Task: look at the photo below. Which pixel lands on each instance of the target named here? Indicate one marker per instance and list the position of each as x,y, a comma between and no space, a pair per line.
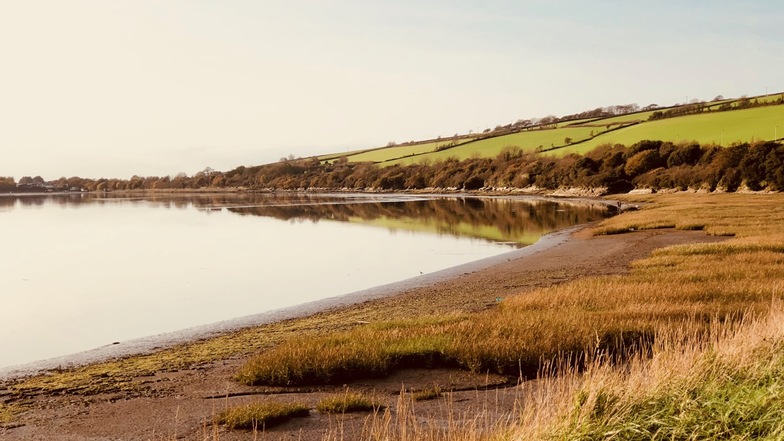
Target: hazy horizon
114,89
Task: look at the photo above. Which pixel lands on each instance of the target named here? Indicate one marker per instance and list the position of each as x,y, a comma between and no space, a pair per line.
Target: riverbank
153,343
172,393
247,281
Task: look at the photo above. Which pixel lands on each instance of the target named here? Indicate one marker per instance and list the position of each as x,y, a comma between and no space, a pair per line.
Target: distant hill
720,122
722,145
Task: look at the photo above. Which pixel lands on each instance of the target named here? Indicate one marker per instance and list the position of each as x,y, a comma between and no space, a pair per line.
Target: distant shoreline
531,190
579,196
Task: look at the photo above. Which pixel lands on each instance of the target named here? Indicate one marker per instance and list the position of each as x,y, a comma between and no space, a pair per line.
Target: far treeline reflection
514,220
495,219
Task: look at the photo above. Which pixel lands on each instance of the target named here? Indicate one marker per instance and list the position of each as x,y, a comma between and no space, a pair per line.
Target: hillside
725,144
721,122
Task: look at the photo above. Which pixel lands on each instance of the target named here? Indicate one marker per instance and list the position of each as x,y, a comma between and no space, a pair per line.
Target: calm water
82,271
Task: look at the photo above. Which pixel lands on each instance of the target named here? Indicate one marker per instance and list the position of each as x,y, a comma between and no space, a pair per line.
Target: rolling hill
720,122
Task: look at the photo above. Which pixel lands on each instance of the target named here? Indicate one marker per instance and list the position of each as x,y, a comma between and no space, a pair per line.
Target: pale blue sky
117,88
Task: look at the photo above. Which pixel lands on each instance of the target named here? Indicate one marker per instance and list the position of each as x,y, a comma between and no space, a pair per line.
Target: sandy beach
181,404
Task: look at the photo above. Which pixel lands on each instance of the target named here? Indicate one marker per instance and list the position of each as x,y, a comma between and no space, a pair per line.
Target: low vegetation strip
752,219
121,375
369,351
261,416
6,413
348,402
605,314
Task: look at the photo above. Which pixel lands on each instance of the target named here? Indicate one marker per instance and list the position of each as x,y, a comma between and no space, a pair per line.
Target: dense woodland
647,164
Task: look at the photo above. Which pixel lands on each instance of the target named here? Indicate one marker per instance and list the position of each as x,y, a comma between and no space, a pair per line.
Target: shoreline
533,192
148,398
161,342
150,344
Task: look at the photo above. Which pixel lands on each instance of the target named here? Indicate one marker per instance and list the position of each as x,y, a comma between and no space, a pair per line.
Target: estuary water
81,271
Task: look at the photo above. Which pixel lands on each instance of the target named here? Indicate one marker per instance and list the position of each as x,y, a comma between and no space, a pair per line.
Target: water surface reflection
84,270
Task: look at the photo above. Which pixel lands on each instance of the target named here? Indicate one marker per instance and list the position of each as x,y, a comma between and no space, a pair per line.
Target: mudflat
182,404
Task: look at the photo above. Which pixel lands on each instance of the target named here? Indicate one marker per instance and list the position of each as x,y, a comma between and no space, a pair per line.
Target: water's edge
154,343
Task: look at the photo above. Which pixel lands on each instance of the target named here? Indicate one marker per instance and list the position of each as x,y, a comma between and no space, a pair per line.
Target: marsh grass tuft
430,393
348,402
366,352
8,413
260,416
482,423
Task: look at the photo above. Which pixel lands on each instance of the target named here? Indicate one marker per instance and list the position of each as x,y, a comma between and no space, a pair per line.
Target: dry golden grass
757,218
694,282
723,380
430,393
726,383
715,366
261,416
7,413
348,402
403,424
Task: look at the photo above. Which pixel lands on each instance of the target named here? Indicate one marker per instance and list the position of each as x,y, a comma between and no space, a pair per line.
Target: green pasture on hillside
490,147
573,122
333,156
723,128
400,151
617,120
768,98
716,127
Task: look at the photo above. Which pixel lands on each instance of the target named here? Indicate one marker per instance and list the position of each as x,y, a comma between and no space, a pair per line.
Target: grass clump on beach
7,413
368,351
610,314
348,402
260,416
430,393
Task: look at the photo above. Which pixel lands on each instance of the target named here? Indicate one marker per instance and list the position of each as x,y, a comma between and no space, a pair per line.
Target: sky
116,88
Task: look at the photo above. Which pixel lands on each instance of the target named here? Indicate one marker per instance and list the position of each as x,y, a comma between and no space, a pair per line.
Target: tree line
701,106
647,164
613,168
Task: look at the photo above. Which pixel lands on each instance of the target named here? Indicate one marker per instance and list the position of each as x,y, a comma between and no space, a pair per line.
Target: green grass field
724,128
384,154
614,120
333,156
769,98
527,140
